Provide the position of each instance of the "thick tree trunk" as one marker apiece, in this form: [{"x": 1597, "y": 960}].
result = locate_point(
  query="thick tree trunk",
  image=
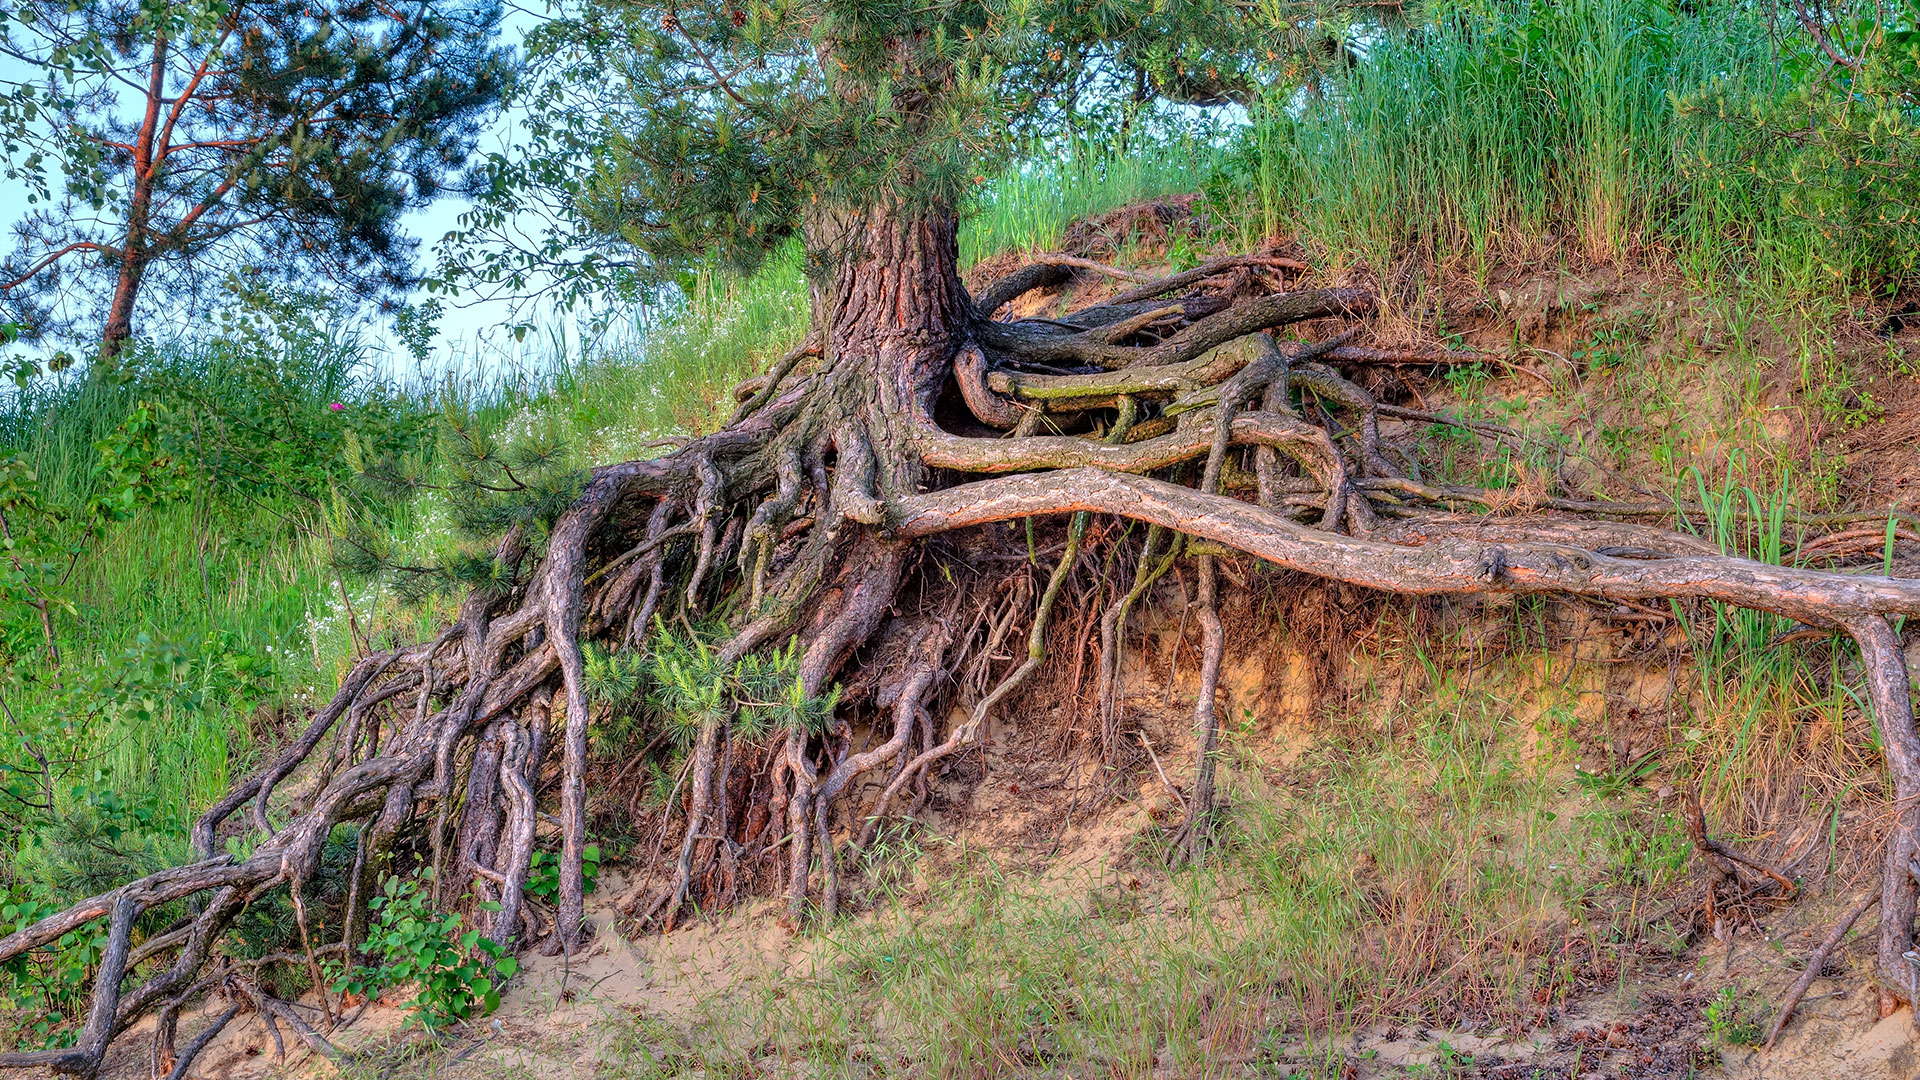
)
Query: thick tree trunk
[
  {"x": 893, "y": 313},
  {"x": 894, "y": 309}
]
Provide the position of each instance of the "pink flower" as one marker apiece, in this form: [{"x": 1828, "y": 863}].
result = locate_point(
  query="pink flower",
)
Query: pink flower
[{"x": 336, "y": 407}]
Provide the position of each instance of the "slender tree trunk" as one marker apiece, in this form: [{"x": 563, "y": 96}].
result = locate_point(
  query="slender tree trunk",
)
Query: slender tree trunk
[
  {"x": 126, "y": 292},
  {"x": 137, "y": 252}
]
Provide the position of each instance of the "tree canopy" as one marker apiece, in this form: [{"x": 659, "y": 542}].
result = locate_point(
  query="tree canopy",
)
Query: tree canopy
[
  {"x": 659, "y": 133},
  {"x": 186, "y": 141}
]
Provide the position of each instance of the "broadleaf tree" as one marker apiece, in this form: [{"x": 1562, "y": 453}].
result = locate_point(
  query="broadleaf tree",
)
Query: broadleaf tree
[{"x": 162, "y": 146}]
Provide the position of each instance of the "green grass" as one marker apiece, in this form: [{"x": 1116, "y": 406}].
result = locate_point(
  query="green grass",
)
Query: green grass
[
  {"x": 1538, "y": 134},
  {"x": 207, "y": 612},
  {"x": 1030, "y": 207}
]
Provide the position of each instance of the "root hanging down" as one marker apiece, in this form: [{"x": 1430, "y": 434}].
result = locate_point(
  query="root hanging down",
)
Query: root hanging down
[{"x": 824, "y": 521}]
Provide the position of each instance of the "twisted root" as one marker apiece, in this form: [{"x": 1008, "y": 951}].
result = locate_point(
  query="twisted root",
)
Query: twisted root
[{"x": 809, "y": 516}]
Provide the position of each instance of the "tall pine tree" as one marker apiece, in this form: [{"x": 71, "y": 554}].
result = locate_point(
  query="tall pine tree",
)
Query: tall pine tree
[{"x": 163, "y": 145}]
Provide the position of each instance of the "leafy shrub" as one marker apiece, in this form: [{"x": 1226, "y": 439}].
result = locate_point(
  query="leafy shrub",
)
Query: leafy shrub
[
  {"x": 47, "y": 530},
  {"x": 454, "y": 970},
  {"x": 1836, "y": 145},
  {"x": 48, "y": 988},
  {"x": 680, "y": 682},
  {"x": 265, "y": 406},
  {"x": 543, "y": 875}
]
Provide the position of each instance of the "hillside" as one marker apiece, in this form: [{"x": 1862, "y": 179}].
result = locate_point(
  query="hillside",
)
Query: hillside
[{"x": 1503, "y": 833}]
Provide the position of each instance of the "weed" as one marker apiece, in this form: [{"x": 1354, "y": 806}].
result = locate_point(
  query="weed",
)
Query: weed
[
  {"x": 1734, "y": 1017},
  {"x": 543, "y": 876},
  {"x": 1615, "y": 783}
]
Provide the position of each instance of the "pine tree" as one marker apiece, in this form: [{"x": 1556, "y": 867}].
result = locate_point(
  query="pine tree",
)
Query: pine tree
[
  {"x": 849, "y": 524},
  {"x": 166, "y": 145}
]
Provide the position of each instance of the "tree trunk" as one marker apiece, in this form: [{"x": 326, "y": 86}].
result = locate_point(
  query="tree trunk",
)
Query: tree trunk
[
  {"x": 893, "y": 309},
  {"x": 126, "y": 291},
  {"x": 136, "y": 252}
]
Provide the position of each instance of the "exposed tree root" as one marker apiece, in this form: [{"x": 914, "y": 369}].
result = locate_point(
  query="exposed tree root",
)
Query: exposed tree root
[
  {"x": 1816, "y": 961},
  {"x": 818, "y": 514},
  {"x": 201, "y": 1042},
  {"x": 1113, "y": 628}
]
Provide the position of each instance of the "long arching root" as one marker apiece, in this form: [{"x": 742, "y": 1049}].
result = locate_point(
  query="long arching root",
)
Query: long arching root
[{"x": 847, "y": 517}]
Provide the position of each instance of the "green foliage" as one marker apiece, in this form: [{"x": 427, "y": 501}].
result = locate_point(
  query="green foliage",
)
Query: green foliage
[
  {"x": 493, "y": 481},
  {"x": 680, "y": 682},
  {"x": 290, "y": 140},
  {"x": 269, "y": 925},
  {"x": 543, "y": 873},
  {"x": 455, "y": 972},
  {"x": 1483, "y": 131},
  {"x": 48, "y": 988},
  {"x": 43, "y": 536},
  {"x": 166, "y": 515},
  {"x": 281, "y": 387},
  {"x": 497, "y": 484},
  {"x": 659, "y": 135},
  {"x": 1836, "y": 138},
  {"x": 1734, "y": 1018},
  {"x": 99, "y": 841},
  {"x": 1474, "y": 134},
  {"x": 134, "y": 720}
]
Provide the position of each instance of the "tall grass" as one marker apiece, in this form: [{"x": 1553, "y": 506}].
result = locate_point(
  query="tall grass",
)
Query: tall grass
[
  {"x": 1030, "y": 206},
  {"x": 1510, "y": 134},
  {"x": 195, "y": 618}
]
